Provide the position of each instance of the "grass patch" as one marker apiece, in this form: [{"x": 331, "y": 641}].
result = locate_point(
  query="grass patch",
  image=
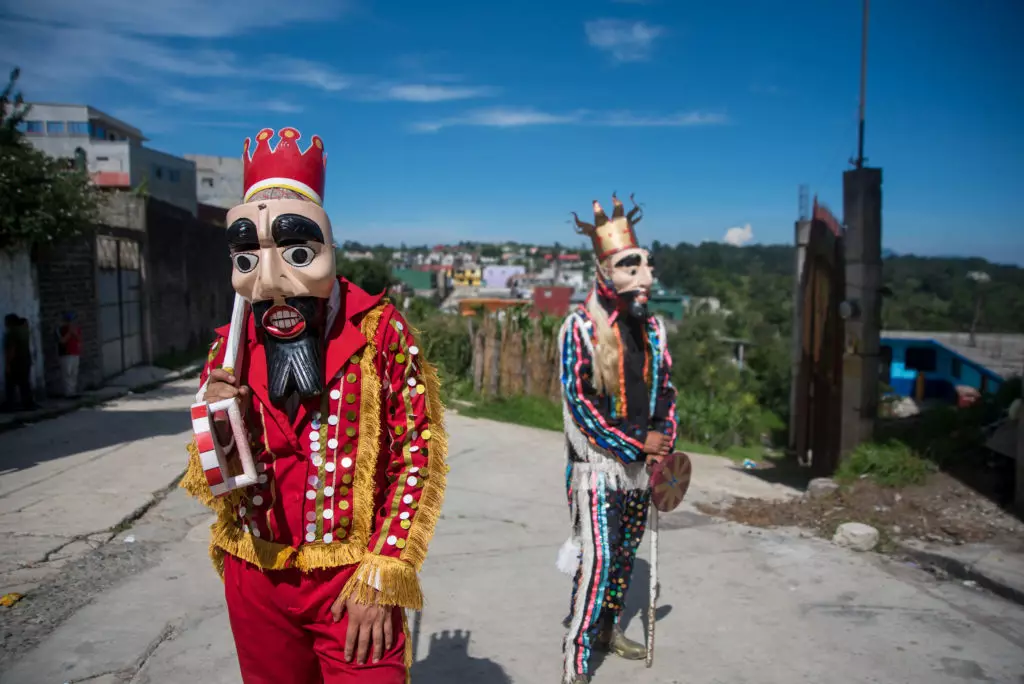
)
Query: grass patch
[
  {"x": 892, "y": 464},
  {"x": 530, "y": 411}
]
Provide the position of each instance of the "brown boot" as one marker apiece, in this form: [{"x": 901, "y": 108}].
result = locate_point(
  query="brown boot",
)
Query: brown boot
[{"x": 613, "y": 640}]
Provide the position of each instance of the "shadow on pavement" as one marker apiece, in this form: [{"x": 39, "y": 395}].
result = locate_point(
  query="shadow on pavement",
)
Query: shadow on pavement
[
  {"x": 639, "y": 598},
  {"x": 448, "y": 661},
  {"x": 98, "y": 428},
  {"x": 637, "y": 601}
]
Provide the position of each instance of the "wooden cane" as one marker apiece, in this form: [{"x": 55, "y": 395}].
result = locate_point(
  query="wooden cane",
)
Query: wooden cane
[
  {"x": 213, "y": 456},
  {"x": 652, "y": 608}
]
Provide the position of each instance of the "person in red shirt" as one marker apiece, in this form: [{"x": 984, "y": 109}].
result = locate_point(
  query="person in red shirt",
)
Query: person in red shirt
[
  {"x": 69, "y": 348},
  {"x": 321, "y": 556}
]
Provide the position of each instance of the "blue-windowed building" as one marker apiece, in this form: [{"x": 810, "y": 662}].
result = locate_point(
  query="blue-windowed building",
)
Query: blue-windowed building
[{"x": 927, "y": 365}]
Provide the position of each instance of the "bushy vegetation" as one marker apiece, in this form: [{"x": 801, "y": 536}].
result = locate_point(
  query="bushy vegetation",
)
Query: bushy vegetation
[
  {"x": 892, "y": 464},
  {"x": 42, "y": 199}
]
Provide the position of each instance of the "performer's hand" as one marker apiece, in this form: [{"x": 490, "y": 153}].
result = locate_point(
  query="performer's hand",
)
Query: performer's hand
[
  {"x": 657, "y": 443},
  {"x": 223, "y": 385},
  {"x": 368, "y": 625}
]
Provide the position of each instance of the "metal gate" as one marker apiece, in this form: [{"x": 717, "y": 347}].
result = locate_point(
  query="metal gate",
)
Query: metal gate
[
  {"x": 119, "y": 279},
  {"x": 819, "y": 392}
]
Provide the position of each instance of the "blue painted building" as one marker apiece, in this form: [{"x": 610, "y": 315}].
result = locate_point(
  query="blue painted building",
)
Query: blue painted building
[{"x": 906, "y": 357}]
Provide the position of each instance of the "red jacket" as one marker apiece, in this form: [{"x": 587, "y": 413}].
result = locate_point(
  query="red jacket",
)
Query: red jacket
[{"x": 358, "y": 477}]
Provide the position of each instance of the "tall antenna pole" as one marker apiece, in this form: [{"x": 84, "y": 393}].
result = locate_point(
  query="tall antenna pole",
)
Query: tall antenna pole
[{"x": 863, "y": 85}]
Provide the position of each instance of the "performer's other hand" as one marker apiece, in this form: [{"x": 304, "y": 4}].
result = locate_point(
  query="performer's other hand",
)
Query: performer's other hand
[
  {"x": 654, "y": 459},
  {"x": 368, "y": 625},
  {"x": 224, "y": 385}
]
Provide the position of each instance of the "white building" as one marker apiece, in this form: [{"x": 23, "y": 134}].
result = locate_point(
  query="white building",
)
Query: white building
[
  {"x": 218, "y": 179},
  {"x": 113, "y": 151}
]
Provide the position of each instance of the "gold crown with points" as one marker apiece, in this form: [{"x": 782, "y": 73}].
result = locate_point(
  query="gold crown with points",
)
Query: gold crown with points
[{"x": 611, "y": 235}]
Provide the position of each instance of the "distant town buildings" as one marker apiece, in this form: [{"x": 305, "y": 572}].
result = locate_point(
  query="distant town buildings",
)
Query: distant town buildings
[{"x": 112, "y": 151}]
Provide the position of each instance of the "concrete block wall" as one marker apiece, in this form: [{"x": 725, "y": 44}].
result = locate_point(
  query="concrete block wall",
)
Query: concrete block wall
[
  {"x": 189, "y": 279},
  {"x": 67, "y": 282}
]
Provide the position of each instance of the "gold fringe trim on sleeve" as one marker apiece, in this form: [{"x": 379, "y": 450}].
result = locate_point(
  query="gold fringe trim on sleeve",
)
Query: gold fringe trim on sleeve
[
  {"x": 399, "y": 585},
  {"x": 432, "y": 496}
]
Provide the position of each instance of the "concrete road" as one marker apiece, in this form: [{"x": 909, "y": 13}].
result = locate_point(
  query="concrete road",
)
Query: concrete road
[{"x": 738, "y": 605}]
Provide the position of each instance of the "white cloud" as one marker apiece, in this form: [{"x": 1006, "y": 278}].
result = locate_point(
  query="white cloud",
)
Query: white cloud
[
  {"x": 739, "y": 236},
  {"x": 630, "y": 120},
  {"x": 422, "y": 92},
  {"x": 72, "y": 59},
  {"x": 517, "y": 117},
  {"x": 625, "y": 41},
  {"x": 497, "y": 117},
  {"x": 307, "y": 73}
]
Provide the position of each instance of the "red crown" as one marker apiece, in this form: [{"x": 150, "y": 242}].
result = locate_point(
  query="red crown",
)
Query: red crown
[{"x": 284, "y": 166}]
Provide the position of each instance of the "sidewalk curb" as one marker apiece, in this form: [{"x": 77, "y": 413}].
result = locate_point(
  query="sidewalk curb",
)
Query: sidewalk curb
[
  {"x": 112, "y": 394},
  {"x": 964, "y": 570}
]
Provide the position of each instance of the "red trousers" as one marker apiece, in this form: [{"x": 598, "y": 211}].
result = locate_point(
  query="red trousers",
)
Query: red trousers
[{"x": 285, "y": 634}]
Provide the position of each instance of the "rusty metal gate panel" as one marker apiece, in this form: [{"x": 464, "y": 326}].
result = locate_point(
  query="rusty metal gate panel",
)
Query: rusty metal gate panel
[
  {"x": 819, "y": 376},
  {"x": 119, "y": 291}
]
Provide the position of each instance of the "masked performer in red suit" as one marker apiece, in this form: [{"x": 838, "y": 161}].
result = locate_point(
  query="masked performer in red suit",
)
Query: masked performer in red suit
[
  {"x": 319, "y": 557},
  {"x": 620, "y": 417}
]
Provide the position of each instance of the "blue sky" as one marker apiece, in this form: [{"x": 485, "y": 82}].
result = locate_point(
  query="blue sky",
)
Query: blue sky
[{"x": 458, "y": 120}]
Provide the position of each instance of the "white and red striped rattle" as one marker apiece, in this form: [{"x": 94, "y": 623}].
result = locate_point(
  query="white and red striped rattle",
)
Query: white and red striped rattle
[{"x": 213, "y": 456}]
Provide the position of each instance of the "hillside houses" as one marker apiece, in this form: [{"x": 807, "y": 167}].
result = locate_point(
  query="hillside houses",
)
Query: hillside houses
[{"x": 469, "y": 277}]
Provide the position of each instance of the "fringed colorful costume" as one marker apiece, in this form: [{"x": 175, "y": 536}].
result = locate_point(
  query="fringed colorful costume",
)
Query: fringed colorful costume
[
  {"x": 347, "y": 433},
  {"x": 615, "y": 369}
]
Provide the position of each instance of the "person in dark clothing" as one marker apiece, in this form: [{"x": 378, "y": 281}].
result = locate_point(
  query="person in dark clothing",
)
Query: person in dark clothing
[{"x": 17, "y": 362}]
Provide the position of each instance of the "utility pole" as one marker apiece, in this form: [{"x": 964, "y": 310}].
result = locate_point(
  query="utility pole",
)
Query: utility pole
[
  {"x": 862, "y": 214},
  {"x": 859, "y": 163}
]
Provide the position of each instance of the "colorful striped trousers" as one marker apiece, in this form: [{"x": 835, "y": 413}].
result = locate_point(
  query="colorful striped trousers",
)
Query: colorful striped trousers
[{"x": 609, "y": 525}]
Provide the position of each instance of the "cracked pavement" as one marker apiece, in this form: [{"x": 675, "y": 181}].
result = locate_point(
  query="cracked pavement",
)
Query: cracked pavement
[{"x": 118, "y": 587}]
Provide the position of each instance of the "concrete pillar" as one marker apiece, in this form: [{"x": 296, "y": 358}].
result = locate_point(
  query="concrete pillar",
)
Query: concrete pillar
[
  {"x": 862, "y": 214},
  {"x": 802, "y": 233}
]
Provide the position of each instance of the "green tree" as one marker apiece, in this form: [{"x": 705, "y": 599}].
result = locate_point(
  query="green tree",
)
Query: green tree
[
  {"x": 715, "y": 405},
  {"x": 491, "y": 251},
  {"x": 42, "y": 199},
  {"x": 372, "y": 275}
]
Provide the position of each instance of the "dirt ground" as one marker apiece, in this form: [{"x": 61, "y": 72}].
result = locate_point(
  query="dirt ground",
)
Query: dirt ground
[{"x": 943, "y": 509}]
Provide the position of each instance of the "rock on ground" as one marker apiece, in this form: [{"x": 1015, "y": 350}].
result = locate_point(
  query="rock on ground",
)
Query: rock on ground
[
  {"x": 821, "y": 486},
  {"x": 856, "y": 536}
]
